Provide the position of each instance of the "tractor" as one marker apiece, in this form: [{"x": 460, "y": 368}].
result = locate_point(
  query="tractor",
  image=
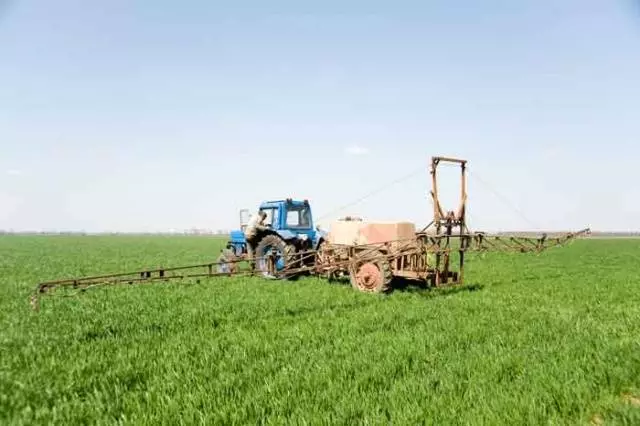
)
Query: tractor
[{"x": 290, "y": 231}]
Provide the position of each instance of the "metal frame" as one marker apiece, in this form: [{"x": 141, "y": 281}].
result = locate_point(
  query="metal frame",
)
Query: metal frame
[{"x": 448, "y": 221}]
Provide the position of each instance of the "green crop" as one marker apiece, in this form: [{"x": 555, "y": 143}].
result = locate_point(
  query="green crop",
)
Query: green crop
[{"x": 530, "y": 339}]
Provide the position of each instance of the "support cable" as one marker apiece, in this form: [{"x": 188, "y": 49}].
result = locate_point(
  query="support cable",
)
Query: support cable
[
  {"x": 504, "y": 200},
  {"x": 372, "y": 193}
]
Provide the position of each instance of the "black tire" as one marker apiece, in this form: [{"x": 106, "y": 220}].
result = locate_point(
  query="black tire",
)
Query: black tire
[
  {"x": 273, "y": 241},
  {"x": 226, "y": 264}
]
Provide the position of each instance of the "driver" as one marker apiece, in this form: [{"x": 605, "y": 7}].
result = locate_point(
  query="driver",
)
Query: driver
[{"x": 252, "y": 234}]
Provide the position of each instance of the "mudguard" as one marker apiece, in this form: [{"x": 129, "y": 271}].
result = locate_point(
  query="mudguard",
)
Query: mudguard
[{"x": 319, "y": 238}]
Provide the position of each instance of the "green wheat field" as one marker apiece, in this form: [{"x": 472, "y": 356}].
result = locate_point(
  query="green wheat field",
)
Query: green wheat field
[{"x": 550, "y": 338}]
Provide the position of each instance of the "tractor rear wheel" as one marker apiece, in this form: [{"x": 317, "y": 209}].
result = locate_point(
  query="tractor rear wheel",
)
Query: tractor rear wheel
[
  {"x": 371, "y": 275},
  {"x": 283, "y": 253}
]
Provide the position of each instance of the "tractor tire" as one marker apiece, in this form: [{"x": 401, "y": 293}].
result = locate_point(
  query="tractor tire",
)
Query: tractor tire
[
  {"x": 231, "y": 248},
  {"x": 226, "y": 262},
  {"x": 371, "y": 276},
  {"x": 284, "y": 250}
]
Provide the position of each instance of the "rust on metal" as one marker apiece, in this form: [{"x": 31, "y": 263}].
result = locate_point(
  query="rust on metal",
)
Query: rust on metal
[{"x": 368, "y": 276}]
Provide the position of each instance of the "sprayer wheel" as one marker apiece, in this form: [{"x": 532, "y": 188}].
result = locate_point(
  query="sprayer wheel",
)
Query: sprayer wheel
[{"x": 371, "y": 276}]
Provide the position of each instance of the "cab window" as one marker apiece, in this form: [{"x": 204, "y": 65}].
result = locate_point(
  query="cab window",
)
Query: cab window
[
  {"x": 298, "y": 217},
  {"x": 272, "y": 217}
]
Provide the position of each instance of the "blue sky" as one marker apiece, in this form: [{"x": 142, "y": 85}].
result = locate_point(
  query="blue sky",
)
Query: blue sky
[{"x": 151, "y": 115}]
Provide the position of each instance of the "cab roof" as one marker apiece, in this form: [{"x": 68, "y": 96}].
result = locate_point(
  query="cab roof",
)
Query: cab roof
[{"x": 276, "y": 203}]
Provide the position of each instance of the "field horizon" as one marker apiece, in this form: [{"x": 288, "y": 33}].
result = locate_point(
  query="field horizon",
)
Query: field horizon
[{"x": 594, "y": 234}]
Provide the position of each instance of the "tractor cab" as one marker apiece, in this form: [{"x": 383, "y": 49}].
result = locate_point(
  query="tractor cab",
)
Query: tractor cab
[
  {"x": 288, "y": 215},
  {"x": 289, "y": 219}
]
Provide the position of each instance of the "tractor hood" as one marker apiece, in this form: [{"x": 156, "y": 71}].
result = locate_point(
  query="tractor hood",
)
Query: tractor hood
[{"x": 237, "y": 236}]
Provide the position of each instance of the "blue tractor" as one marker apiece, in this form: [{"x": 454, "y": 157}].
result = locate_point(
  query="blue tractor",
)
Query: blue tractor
[{"x": 290, "y": 230}]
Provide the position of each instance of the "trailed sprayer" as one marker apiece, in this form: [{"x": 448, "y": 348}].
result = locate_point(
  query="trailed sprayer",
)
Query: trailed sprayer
[{"x": 371, "y": 255}]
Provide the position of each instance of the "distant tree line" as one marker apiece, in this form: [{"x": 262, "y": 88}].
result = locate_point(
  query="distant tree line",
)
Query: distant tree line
[
  {"x": 221, "y": 232},
  {"x": 80, "y": 233}
]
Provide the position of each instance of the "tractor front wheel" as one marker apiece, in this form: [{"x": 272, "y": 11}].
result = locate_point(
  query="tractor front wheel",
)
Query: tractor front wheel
[{"x": 226, "y": 263}]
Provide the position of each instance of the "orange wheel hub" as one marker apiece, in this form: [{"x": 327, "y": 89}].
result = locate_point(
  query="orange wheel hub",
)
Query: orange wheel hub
[{"x": 369, "y": 276}]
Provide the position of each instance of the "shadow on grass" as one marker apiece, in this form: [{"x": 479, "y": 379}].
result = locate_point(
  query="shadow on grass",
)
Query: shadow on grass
[
  {"x": 450, "y": 290},
  {"x": 400, "y": 285},
  {"x": 410, "y": 286}
]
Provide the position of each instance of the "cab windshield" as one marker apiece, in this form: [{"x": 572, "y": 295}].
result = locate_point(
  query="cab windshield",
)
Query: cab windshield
[{"x": 298, "y": 217}]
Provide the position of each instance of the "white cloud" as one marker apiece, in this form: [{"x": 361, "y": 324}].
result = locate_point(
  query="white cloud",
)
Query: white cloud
[
  {"x": 356, "y": 150},
  {"x": 14, "y": 172}
]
